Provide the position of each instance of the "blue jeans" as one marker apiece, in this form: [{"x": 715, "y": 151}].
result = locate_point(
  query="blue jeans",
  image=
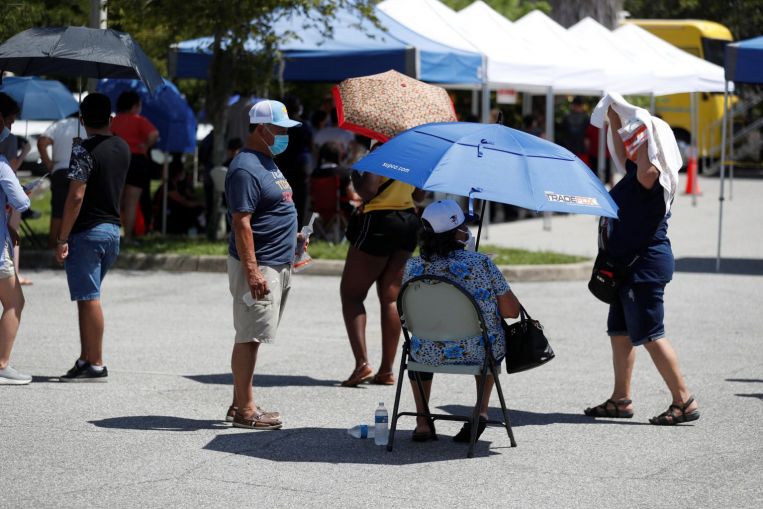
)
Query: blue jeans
[{"x": 91, "y": 254}]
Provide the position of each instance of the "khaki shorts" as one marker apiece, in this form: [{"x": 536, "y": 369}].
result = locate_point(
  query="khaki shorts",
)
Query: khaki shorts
[
  {"x": 7, "y": 269},
  {"x": 259, "y": 322}
]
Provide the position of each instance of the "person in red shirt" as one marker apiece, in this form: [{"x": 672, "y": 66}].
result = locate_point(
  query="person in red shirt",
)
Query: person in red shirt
[{"x": 140, "y": 134}]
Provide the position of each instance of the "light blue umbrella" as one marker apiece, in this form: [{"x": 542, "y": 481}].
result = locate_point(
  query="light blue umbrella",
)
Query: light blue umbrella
[
  {"x": 40, "y": 99},
  {"x": 494, "y": 163}
]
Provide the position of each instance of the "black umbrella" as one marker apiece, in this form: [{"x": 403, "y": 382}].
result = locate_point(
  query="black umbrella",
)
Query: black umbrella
[{"x": 77, "y": 51}]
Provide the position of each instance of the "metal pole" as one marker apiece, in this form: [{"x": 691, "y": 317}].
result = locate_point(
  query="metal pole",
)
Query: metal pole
[
  {"x": 165, "y": 180},
  {"x": 475, "y": 102},
  {"x": 601, "y": 163},
  {"x": 694, "y": 145},
  {"x": 527, "y": 103},
  {"x": 485, "y": 120},
  {"x": 723, "y": 174},
  {"x": 549, "y": 137},
  {"x": 731, "y": 154},
  {"x": 98, "y": 19}
]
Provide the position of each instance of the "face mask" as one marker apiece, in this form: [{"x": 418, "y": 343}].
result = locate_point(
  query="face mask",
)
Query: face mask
[
  {"x": 470, "y": 244},
  {"x": 4, "y": 133},
  {"x": 280, "y": 143}
]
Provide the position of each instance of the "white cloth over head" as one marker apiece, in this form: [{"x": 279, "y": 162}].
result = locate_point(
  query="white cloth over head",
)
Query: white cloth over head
[{"x": 661, "y": 142}]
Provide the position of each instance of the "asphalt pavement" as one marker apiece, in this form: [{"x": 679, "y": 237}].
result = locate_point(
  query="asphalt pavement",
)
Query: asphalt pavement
[{"x": 153, "y": 435}]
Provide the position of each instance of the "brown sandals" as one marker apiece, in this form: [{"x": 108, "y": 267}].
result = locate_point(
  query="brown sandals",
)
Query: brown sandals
[
  {"x": 670, "y": 418},
  {"x": 611, "y": 409},
  {"x": 362, "y": 373},
  {"x": 387, "y": 378},
  {"x": 258, "y": 421},
  {"x": 232, "y": 413}
]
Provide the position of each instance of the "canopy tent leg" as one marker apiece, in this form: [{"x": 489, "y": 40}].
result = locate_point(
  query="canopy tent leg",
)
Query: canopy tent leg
[
  {"x": 694, "y": 141},
  {"x": 601, "y": 162},
  {"x": 475, "y": 102},
  {"x": 165, "y": 181},
  {"x": 723, "y": 174},
  {"x": 732, "y": 159},
  {"x": 549, "y": 137},
  {"x": 485, "y": 120},
  {"x": 527, "y": 103}
]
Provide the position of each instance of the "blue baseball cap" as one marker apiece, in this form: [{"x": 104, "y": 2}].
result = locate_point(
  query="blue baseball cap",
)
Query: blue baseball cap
[{"x": 271, "y": 112}]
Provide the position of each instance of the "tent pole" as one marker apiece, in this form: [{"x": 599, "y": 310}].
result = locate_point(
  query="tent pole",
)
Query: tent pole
[
  {"x": 694, "y": 143},
  {"x": 601, "y": 162},
  {"x": 165, "y": 179},
  {"x": 475, "y": 102},
  {"x": 723, "y": 173},
  {"x": 485, "y": 120},
  {"x": 731, "y": 154},
  {"x": 549, "y": 137},
  {"x": 527, "y": 103}
]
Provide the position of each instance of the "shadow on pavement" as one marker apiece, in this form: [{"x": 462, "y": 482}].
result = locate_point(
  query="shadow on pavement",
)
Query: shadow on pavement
[
  {"x": 157, "y": 423},
  {"x": 759, "y": 396},
  {"x": 740, "y": 266},
  {"x": 332, "y": 445},
  {"x": 524, "y": 418},
  {"x": 746, "y": 380},
  {"x": 45, "y": 379},
  {"x": 265, "y": 380}
]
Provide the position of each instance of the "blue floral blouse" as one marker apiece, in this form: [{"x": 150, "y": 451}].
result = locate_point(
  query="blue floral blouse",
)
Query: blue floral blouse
[{"x": 476, "y": 273}]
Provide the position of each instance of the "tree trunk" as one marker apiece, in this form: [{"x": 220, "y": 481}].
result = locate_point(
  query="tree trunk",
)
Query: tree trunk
[{"x": 569, "y": 12}]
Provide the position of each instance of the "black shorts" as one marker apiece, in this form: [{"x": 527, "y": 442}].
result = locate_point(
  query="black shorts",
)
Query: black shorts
[
  {"x": 382, "y": 232},
  {"x": 59, "y": 188},
  {"x": 139, "y": 173}
]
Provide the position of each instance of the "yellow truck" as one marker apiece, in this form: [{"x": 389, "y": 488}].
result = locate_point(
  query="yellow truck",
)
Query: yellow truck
[{"x": 703, "y": 39}]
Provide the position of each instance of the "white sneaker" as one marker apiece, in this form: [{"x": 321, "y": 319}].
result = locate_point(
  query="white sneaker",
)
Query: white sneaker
[{"x": 9, "y": 376}]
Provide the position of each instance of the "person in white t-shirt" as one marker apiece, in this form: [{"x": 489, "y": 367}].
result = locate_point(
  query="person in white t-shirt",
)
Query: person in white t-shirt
[{"x": 59, "y": 137}]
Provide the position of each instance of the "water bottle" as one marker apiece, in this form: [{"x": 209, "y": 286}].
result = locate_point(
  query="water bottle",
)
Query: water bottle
[
  {"x": 302, "y": 258},
  {"x": 361, "y": 431},
  {"x": 381, "y": 431}
]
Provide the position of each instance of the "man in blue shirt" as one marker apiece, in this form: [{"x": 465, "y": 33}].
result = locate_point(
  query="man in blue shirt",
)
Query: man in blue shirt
[{"x": 262, "y": 245}]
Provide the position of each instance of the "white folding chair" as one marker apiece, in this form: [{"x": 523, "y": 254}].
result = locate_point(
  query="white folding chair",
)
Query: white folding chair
[{"x": 435, "y": 308}]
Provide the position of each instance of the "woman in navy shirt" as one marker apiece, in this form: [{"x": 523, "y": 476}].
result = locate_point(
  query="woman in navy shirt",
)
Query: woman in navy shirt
[{"x": 636, "y": 318}]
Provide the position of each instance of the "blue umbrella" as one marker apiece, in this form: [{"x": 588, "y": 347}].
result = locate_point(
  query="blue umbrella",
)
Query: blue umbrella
[
  {"x": 165, "y": 108},
  {"x": 40, "y": 99},
  {"x": 491, "y": 162}
]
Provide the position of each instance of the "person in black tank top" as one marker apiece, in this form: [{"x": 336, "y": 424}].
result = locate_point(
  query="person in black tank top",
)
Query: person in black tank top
[{"x": 638, "y": 239}]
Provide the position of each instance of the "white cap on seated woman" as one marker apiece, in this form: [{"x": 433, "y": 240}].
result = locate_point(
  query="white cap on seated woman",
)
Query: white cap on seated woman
[{"x": 444, "y": 216}]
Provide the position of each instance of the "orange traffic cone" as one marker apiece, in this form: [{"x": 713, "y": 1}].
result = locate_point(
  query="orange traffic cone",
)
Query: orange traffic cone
[{"x": 692, "y": 182}]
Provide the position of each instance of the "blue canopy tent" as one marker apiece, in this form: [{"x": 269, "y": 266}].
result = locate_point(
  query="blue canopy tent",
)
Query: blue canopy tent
[
  {"x": 356, "y": 48},
  {"x": 743, "y": 64}
]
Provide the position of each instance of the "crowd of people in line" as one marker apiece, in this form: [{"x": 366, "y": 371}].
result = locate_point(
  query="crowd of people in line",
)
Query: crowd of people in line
[{"x": 263, "y": 209}]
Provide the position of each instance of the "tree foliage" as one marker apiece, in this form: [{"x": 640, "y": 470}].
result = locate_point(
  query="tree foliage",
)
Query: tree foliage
[
  {"x": 512, "y": 9},
  {"x": 19, "y": 15},
  {"x": 743, "y": 17}
]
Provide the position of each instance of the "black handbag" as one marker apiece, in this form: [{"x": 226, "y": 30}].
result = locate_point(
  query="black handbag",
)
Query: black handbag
[
  {"x": 526, "y": 344},
  {"x": 606, "y": 279}
]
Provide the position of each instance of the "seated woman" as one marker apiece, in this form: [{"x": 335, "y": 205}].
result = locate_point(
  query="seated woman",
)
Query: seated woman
[
  {"x": 184, "y": 211},
  {"x": 443, "y": 237}
]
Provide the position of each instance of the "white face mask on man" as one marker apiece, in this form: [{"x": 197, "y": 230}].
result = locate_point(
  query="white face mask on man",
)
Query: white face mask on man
[{"x": 470, "y": 243}]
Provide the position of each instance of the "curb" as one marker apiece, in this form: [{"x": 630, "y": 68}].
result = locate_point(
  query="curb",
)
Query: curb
[{"x": 191, "y": 263}]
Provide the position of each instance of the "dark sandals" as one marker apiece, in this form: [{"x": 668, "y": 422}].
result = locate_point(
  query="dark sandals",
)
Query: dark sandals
[
  {"x": 669, "y": 418},
  {"x": 611, "y": 409},
  {"x": 425, "y": 436}
]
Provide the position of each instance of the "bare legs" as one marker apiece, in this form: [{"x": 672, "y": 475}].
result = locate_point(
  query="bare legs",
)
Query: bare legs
[
  {"x": 422, "y": 424},
  {"x": 130, "y": 199},
  {"x": 361, "y": 270},
  {"x": 242, "y": 363},
  {"x": 665, "y": 360},
  {"x": 13, "y": 303},
  {"x": 91, "y": 331}
]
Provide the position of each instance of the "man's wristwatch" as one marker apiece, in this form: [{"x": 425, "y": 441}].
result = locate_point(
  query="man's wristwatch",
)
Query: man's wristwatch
[{"x": 61, "y": 242}]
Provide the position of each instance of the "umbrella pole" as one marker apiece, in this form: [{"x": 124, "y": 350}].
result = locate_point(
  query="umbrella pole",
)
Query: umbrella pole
[
  {"x": 79, "y": 83},
  {"x": 723, "y": 174},
  {"x": 479, "y": 228},
  {"x": 165, "y": 178},
  {"x": 549, "y": 137}
]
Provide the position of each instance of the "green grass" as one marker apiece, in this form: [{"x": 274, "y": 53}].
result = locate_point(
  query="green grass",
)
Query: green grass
[{"x": 158, "y": 244}]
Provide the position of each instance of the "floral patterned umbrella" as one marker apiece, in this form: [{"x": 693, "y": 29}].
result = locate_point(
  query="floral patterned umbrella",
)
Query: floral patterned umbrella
[{"x": 382, "y": 105}]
